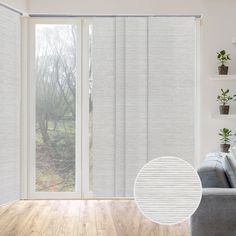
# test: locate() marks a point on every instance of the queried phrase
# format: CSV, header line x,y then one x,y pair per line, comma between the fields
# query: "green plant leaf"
x,y
222,52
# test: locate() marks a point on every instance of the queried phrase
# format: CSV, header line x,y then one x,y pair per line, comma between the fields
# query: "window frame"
x,y
31,160
28,104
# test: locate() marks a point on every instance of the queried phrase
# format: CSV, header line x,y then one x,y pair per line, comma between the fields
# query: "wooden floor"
x,y
81,217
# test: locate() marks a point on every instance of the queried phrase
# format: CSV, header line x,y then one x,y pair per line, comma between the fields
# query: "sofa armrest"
x,y
216,214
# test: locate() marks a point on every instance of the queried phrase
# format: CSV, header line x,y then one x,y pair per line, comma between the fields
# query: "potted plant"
x,y
225,135
224,98
223,57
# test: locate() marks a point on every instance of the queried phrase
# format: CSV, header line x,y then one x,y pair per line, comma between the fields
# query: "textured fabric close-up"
x,y
168,190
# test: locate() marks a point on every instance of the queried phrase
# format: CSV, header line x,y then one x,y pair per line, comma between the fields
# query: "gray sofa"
x,y
216,215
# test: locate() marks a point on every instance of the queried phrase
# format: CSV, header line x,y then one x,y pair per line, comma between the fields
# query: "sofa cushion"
x,y
230,169
232,151
212,172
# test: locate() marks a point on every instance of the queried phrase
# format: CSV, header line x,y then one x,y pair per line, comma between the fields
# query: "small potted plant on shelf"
x,y
223,57
224,98
225,135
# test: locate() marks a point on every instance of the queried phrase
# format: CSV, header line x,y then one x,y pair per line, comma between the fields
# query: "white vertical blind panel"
x,y
10,105
120,107
120,104
103,107
171,87
143,97
136,99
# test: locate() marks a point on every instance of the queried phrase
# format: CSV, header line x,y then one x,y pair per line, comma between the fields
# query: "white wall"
x,y
217,28
115,7
20,5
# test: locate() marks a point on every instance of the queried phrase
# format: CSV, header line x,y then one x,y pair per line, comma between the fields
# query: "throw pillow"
x,y
230,169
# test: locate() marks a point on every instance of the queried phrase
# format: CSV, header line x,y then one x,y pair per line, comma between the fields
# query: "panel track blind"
x,y
10,105
143,96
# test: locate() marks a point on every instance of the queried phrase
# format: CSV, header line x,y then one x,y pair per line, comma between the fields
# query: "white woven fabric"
x,y
167,190
9,104
143,96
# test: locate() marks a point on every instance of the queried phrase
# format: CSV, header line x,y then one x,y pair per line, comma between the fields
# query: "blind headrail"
x,y
120,15
11,8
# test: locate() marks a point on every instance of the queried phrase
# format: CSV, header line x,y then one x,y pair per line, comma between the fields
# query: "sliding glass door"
x,y
55,109
107,95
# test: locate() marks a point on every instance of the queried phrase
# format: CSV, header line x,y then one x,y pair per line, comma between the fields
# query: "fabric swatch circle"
x,y
167,190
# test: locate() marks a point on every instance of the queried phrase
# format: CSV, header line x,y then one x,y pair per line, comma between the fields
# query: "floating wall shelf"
x,y
223,78
229,117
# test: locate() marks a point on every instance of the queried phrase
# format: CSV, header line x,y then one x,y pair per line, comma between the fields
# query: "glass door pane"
x,y
57,108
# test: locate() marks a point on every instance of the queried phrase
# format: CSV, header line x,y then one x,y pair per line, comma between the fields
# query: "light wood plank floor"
x,y
80,218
